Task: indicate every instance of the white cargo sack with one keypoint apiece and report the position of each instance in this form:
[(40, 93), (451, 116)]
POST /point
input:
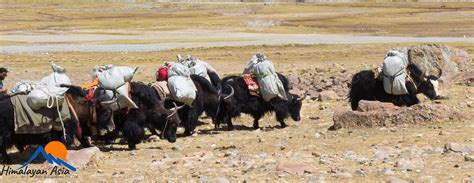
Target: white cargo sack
[(177, 69), (393, 70), (113, 77), (208, 66), (180, 84), (250, 67), (119, 100), (270, 84), (199, 69), (47, 92), (22, 87)]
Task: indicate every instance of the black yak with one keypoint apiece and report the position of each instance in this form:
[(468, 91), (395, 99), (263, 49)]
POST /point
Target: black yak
[(207, 100), (243, 102), (151, 113), (8, 138), (365, 86)]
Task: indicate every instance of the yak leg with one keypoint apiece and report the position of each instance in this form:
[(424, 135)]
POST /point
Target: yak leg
[(281, 110), (230, 126), (6, 158), (191, 123), (20, 147), (86, 141), (410, 99), (256, 117), (281, 115)]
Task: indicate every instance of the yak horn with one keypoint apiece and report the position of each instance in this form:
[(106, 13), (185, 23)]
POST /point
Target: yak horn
[(231, 92), (109, 102), (302, 98), (175, 110), (440, 73)]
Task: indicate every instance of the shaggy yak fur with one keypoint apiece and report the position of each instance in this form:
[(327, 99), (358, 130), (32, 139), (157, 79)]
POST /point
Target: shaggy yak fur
[(150, 113), (365, 86), (243, 102), (207, 100)]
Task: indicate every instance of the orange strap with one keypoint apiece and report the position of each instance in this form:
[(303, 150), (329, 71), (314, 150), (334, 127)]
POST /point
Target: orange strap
[(91, 84)]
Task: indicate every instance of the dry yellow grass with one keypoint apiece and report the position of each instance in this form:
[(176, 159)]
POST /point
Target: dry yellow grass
[(413, 19), (227, 60)]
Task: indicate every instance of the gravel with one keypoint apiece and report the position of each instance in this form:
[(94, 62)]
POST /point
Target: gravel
[(249, 39)]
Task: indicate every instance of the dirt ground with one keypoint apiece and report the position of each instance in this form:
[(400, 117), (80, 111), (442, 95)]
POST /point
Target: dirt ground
[(346, 155)]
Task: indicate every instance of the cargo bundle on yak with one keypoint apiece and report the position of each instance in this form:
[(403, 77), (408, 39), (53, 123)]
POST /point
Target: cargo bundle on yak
[(263, 70), (195, 91), (203, 69), (273, 87), (180, 84), (36, 113), (128, 119), (394, 68), (393, 85)]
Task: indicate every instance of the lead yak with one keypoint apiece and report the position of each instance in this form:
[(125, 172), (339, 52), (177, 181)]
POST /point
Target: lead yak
[(365, 86), (243, 102)]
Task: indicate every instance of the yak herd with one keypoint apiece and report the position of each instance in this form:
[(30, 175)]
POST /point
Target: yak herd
[(222, 100)]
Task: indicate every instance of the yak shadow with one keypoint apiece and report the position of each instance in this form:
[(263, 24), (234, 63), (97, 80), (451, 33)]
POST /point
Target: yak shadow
[(223, 128), (20, 158), (113, 148)]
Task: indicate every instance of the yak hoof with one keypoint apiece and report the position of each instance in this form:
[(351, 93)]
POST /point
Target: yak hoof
[(87, 142), (188, 133), (230, 128), (132, 146), (7, 160)]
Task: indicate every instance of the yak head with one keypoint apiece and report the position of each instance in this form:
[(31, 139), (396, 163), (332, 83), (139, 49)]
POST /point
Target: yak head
[(172, 122), (426, 84), (296, 101)]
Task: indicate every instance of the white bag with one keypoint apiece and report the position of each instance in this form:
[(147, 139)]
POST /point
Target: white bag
[(113, 77), (182, 89), (22, 87), (177, 69), (250, 67), (45, 96), (56, 79), (270, 84), (121, 101), (199, 69), (393, 70), (48, 93), (208, 66)]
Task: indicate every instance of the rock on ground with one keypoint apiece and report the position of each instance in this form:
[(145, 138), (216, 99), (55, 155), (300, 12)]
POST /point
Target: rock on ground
[(84, 157), (433, 57), (417, 114), (365, 105), (327, 95), (462, 78), (220, 180), (462, 148), (410, 164), (295, 169)]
